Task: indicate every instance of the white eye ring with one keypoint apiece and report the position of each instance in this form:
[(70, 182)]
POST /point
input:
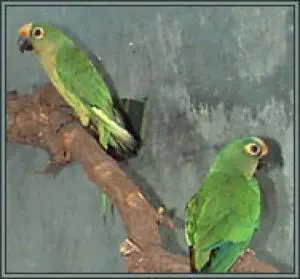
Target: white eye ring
[(252, 149), (38, 32)]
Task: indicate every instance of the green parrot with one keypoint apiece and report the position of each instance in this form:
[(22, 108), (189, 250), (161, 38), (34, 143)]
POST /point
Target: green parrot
[(222, 216), (82, 87)]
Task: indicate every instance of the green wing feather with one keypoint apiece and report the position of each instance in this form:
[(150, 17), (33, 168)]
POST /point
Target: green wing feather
[(80, 78), (215, 223)]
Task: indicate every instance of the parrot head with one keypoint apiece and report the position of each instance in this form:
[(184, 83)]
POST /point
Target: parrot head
[(240, 156), (38, 37)]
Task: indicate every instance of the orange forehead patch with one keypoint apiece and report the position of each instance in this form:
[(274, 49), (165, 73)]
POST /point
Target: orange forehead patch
[(25, 29)]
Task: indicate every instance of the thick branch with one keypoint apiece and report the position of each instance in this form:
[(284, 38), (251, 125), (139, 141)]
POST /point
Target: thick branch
[(35, 119)]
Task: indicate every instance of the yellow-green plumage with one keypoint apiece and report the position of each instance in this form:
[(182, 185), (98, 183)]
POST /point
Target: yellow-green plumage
[(222, 216), (79, 83)]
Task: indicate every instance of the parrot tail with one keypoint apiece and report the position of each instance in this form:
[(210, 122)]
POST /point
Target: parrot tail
[(192, 259), (129, 114), (224, 257), (121, 141)]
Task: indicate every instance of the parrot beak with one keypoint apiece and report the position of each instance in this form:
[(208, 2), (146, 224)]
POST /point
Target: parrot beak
[(24, 42), (263, 163)]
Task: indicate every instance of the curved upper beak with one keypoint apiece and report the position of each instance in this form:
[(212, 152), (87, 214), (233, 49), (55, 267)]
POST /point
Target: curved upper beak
[(24, 41), (24, 44)]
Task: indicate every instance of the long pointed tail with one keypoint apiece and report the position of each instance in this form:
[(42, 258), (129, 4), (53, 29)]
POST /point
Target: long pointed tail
[(124, 137), (129, 115), (113, 135), (192, 260), (224, 257), (132, 114)]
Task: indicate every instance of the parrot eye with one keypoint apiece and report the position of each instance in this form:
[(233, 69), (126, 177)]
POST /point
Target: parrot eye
[(252, 149), (38, 32)]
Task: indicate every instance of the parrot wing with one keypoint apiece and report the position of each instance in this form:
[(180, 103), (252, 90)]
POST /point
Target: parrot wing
[(71, 62), (210, 219), (200, 221), (198, 217), (91, 99)]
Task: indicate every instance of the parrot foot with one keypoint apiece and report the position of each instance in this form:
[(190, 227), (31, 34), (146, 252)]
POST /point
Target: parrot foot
[(83, 119), (247, 251), (250, 251), (161, 210), (64, 124), (66, 108), (127, 247), (162, 219)]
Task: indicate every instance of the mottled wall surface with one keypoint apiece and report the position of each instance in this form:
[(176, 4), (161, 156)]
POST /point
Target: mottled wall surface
[(210, 74)]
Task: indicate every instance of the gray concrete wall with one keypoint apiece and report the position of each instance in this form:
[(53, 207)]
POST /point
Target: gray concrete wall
[(210, 74)]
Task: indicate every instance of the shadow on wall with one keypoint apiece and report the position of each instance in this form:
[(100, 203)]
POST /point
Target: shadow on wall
[(269, 204)]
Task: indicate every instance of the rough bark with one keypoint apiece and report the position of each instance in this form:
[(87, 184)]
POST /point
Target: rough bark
[(36, 119)]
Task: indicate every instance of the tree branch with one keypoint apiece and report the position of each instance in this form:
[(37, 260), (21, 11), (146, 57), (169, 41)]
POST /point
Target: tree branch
[(36, 119)]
